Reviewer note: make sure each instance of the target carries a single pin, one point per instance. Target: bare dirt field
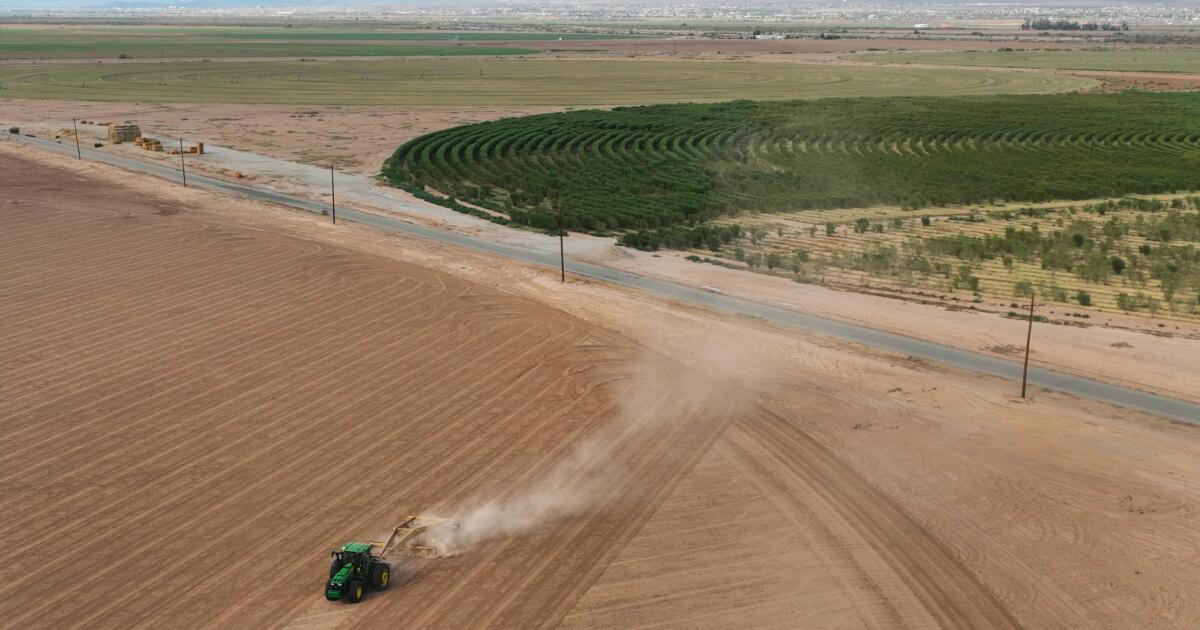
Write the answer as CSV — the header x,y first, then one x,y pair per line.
x,y
357,139
766,46
202,395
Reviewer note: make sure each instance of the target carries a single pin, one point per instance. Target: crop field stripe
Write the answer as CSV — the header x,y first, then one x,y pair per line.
x,y
1129,60
503,82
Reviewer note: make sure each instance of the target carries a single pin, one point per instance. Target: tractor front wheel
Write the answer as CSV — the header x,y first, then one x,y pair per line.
x,y
381,576
355,591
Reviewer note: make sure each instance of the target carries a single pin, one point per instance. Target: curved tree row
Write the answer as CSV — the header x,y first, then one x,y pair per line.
x,y
658,166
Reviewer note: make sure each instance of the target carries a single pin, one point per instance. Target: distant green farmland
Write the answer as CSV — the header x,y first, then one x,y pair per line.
x,y
459,81
658,166
1130,60
185,42
160,50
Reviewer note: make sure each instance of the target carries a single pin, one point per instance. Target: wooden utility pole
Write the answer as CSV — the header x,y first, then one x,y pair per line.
x,y
1028,339
562,256
332,195
182,164
78,151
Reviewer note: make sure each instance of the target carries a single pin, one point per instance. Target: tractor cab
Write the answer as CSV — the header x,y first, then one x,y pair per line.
x,y
357,554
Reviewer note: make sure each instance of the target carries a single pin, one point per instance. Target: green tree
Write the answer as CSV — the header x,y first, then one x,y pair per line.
x,y
1118,264
1084,298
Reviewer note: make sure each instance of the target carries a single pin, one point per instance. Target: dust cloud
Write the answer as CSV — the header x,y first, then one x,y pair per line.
x,y
594,472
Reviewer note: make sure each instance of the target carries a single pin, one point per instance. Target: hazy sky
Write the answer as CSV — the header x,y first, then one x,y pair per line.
x,y
94,4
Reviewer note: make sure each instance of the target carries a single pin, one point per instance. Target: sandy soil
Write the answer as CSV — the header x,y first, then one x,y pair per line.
x,y
356,139
1128,350
243,387
1115,81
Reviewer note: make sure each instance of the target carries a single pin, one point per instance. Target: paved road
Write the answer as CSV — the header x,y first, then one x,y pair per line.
x,y
963,359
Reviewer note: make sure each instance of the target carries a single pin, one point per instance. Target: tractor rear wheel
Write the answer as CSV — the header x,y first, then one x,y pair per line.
x,y
381,576
334,567
355,591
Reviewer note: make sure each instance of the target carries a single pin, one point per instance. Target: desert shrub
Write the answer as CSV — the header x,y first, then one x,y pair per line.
x,y
1084,298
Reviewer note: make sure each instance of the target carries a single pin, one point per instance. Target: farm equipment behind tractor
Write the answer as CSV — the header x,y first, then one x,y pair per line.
x,y
359,566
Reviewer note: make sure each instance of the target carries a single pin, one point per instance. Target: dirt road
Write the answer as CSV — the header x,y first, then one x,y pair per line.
x,y
202,395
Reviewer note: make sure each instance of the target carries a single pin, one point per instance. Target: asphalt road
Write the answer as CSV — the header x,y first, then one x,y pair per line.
x,y
1129,398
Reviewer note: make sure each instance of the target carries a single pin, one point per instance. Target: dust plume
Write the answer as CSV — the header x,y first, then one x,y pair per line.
x,y
592,473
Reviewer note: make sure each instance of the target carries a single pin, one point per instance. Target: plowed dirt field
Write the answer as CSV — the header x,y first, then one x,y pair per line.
x,y
194,408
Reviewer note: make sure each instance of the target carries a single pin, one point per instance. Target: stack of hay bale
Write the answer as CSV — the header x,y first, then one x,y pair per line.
x,y
123,132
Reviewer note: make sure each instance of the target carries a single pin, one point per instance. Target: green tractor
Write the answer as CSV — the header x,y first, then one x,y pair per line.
x,y
359,566
353,570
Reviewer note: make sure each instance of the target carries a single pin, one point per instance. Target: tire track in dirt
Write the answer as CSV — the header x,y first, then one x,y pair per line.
x,y
791,464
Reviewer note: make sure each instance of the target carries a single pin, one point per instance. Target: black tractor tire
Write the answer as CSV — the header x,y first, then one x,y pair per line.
x,y
355,590
334,567
381,576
